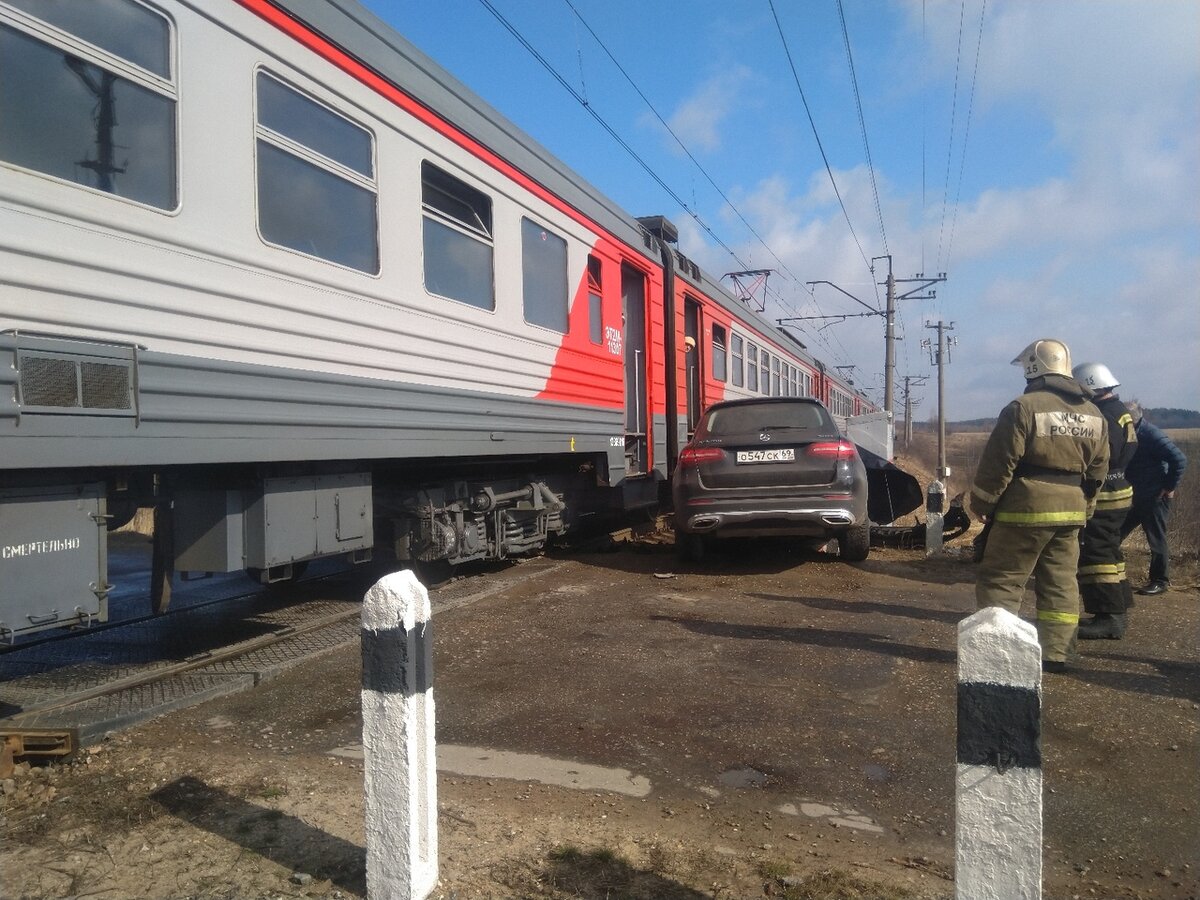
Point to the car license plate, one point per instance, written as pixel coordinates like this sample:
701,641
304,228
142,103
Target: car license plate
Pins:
767,456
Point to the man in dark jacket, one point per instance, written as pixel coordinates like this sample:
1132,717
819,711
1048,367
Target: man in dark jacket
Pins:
1154,472
1103,587
1036,484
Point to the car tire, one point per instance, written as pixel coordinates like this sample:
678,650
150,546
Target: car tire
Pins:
854,544
691,547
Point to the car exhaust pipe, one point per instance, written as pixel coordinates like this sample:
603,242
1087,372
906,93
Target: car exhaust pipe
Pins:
838,518
704,523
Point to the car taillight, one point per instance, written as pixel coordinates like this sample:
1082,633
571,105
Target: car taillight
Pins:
695,456
834,449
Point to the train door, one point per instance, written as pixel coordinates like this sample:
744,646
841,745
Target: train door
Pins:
693,369
633,316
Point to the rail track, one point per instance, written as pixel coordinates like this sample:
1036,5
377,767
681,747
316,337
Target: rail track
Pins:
60,692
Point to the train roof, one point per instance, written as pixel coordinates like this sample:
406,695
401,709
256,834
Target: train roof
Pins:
363,35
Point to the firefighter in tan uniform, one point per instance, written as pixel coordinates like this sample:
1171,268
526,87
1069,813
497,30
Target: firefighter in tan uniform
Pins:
1035,485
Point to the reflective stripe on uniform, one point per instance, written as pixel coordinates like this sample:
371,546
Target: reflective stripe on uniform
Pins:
1102,573
1118,494
1061,618
1102,569
1062,517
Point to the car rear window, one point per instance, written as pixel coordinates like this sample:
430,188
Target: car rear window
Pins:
766,416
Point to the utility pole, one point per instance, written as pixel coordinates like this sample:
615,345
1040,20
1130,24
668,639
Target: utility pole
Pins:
941,358
889,315
909,381
889,341
889,336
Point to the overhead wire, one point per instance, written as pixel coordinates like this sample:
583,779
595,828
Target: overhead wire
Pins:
950,142
645,166
678,140
862,126
824,157
924,110
966,133
779,297
683,204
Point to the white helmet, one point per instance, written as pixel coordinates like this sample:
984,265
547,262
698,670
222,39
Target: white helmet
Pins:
1095,376
1044,357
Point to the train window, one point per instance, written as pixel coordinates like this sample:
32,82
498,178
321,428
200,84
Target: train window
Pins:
68,113
289,113
457,239
120,27
764,372
720,357
316,193
736,347
839,403
751,367
775,376
595,303
544,276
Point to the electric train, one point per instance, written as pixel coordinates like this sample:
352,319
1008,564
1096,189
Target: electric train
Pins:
269,270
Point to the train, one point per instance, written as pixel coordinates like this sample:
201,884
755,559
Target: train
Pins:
270,271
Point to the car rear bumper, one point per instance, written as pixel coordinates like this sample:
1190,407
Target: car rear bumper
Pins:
769,519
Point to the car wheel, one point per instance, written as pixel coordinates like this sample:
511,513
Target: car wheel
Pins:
691,546
854,544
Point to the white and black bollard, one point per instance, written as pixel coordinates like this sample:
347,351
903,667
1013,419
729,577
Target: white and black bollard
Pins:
399,757
935,517
998,829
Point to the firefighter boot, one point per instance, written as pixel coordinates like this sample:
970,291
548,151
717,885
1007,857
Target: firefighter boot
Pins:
1104,626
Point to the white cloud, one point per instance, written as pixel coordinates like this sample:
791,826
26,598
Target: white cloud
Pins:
1104,253
698,119
1099,248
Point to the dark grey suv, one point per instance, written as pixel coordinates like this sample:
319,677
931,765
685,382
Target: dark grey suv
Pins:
771,466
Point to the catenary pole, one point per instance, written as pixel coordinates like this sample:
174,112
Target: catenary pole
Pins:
889,351
941,359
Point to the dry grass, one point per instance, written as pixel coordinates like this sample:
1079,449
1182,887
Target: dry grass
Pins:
1183,527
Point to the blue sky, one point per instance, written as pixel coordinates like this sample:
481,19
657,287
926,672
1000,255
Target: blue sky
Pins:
1044,155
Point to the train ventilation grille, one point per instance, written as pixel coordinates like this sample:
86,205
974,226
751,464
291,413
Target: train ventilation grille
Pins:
71,382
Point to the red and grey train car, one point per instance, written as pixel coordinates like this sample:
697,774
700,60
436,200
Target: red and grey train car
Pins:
268,269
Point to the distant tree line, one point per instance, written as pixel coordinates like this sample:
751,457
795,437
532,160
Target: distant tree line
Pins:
1169,417
1162,416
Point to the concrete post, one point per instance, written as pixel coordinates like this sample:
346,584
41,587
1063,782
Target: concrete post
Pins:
998,829
935,510
398,740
